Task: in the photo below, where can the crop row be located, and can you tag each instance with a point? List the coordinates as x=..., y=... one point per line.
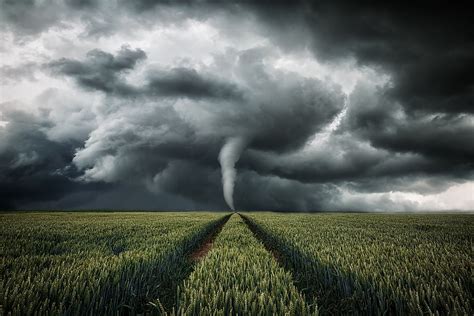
x=78, y=264
x=375, y=263
x=239, y=277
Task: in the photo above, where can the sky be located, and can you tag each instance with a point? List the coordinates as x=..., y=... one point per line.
x=252, y=105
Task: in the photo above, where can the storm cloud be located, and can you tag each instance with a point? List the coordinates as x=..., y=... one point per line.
x=335, y=106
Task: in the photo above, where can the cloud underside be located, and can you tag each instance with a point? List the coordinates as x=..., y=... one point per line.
x=123, y=125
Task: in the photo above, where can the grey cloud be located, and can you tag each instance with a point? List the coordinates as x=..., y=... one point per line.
x=28, y=16
x=14, y=74
x=152, y=143
x=156, y=144
x=32, y=167
x=112, y=198
x=427, y=48
x=25, y=19
x=100, y=71
x=178, y=82
x=165, y=130
x=189, y=179
x=104, y=72
x=345, y=159
x=259, y=193
x=68, y=118
x=281, y=110
x=376, y=117
x=292, y=112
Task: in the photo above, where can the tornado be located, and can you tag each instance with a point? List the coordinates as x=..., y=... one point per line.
x=228, y=157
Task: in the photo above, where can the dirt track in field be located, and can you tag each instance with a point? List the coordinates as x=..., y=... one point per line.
x=206, y=246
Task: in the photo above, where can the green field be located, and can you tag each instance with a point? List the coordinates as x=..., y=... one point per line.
x=191, y=263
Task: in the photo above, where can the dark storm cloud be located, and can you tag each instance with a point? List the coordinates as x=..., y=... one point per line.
x=104, y=72
x=27, y=16
x=32, y=167
x=101, y=71
x=37, y=172
x=163, y=126
x=437, y=137
x=444, y=137
x=189, y=179
x=188, y=82
x=254, y=192
x=428, y=48
x=293, y=111
x=145, y=138
x=344, y=159
x=31, y=17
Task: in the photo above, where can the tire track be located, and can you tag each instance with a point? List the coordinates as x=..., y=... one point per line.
x=174, y=269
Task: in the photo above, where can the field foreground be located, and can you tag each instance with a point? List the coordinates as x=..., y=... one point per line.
x=191, y=263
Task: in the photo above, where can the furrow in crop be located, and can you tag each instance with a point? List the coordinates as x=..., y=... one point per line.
x=332, y=289
x=178, y=265
x=375, y=264
x=206, y=245
x=238, y=276
x=97, y=263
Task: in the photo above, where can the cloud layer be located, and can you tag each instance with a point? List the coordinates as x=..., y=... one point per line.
x=304, y=106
